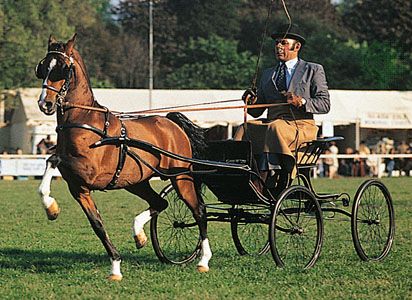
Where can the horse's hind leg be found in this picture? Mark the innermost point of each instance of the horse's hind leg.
(49, 203)
(156, 205)
(83, 197)
(185, 186)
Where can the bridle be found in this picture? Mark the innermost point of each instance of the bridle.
(61, 94)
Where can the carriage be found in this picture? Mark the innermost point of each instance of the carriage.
(290, 225)
(98, 149)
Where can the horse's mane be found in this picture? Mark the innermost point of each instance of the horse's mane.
(80, 62)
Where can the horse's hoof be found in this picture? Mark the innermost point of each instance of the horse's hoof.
(140, 239)
(53, 211)
(114, 277)
(202, 269)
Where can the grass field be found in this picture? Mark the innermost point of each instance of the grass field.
(63, 259)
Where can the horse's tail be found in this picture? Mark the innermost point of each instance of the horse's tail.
(196, 134)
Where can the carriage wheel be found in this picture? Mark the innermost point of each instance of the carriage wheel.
(174, 232)
(296, 229)
(373, 221)
(249, 229)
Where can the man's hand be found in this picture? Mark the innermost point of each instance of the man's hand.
(296, 101)
(249, 96)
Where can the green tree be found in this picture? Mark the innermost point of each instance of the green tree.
(25, 29)
(380, 20)
(133, 19)
(175, 22)
(388, 24)
(382, 67)
(202, 18)
(212, 63)
(253, 15)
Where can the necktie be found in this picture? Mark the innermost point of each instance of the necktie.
(281, 78)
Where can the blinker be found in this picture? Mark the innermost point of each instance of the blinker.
(56, 74)
(39, 71)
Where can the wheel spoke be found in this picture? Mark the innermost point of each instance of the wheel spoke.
(249, 234)
(296, 229)
(174, 242)
(372, 221)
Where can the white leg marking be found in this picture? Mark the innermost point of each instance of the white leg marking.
(206, 256)
(44, 188)
(115, 267)
(139, 222)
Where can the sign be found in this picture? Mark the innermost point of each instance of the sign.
(24, 167)
(387, 120)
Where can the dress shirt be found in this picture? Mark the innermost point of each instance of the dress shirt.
(290, 68)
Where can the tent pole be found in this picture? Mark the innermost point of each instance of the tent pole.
(357, 134)
(150, 53)
(229, 130)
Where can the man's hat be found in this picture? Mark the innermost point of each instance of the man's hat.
(292, 33)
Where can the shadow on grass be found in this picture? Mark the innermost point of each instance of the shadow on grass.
(39, 261)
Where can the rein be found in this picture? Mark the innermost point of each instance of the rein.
(172, 109)
(67, 106)
(209, 108)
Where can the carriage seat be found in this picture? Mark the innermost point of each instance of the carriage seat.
(308, 153)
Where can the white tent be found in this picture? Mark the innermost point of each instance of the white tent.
(370, 109)
(366, 109)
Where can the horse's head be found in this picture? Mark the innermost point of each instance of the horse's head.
(56, 71)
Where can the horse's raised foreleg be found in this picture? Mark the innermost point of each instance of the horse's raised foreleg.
(49, 203)
(83, 197)
(156, 203)
(185, 187)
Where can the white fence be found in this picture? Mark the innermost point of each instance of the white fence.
(34, 165)
(24, 165)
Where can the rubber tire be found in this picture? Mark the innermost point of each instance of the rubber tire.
(380, 192)
(306, 210)
(167, 238)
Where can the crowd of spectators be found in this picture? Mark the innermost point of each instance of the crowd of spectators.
(17, 151)
(45, 146)
(333, 167)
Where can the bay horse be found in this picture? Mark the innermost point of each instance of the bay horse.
(81, 122)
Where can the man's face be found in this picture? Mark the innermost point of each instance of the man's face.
(286, 49)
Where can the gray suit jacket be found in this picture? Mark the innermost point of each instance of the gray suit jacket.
(308, 81)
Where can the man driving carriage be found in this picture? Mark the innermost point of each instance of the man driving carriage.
(291, 81)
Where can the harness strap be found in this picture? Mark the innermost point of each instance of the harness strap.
(64, 89)
(107, 123)
(154, 149)
(82, 126)
(123, 150)
(124, 142)
(162, 174)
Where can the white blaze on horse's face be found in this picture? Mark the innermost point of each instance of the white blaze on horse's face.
(46, 105)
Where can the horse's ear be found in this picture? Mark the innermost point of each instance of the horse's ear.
(70, 45)
(52, 40)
